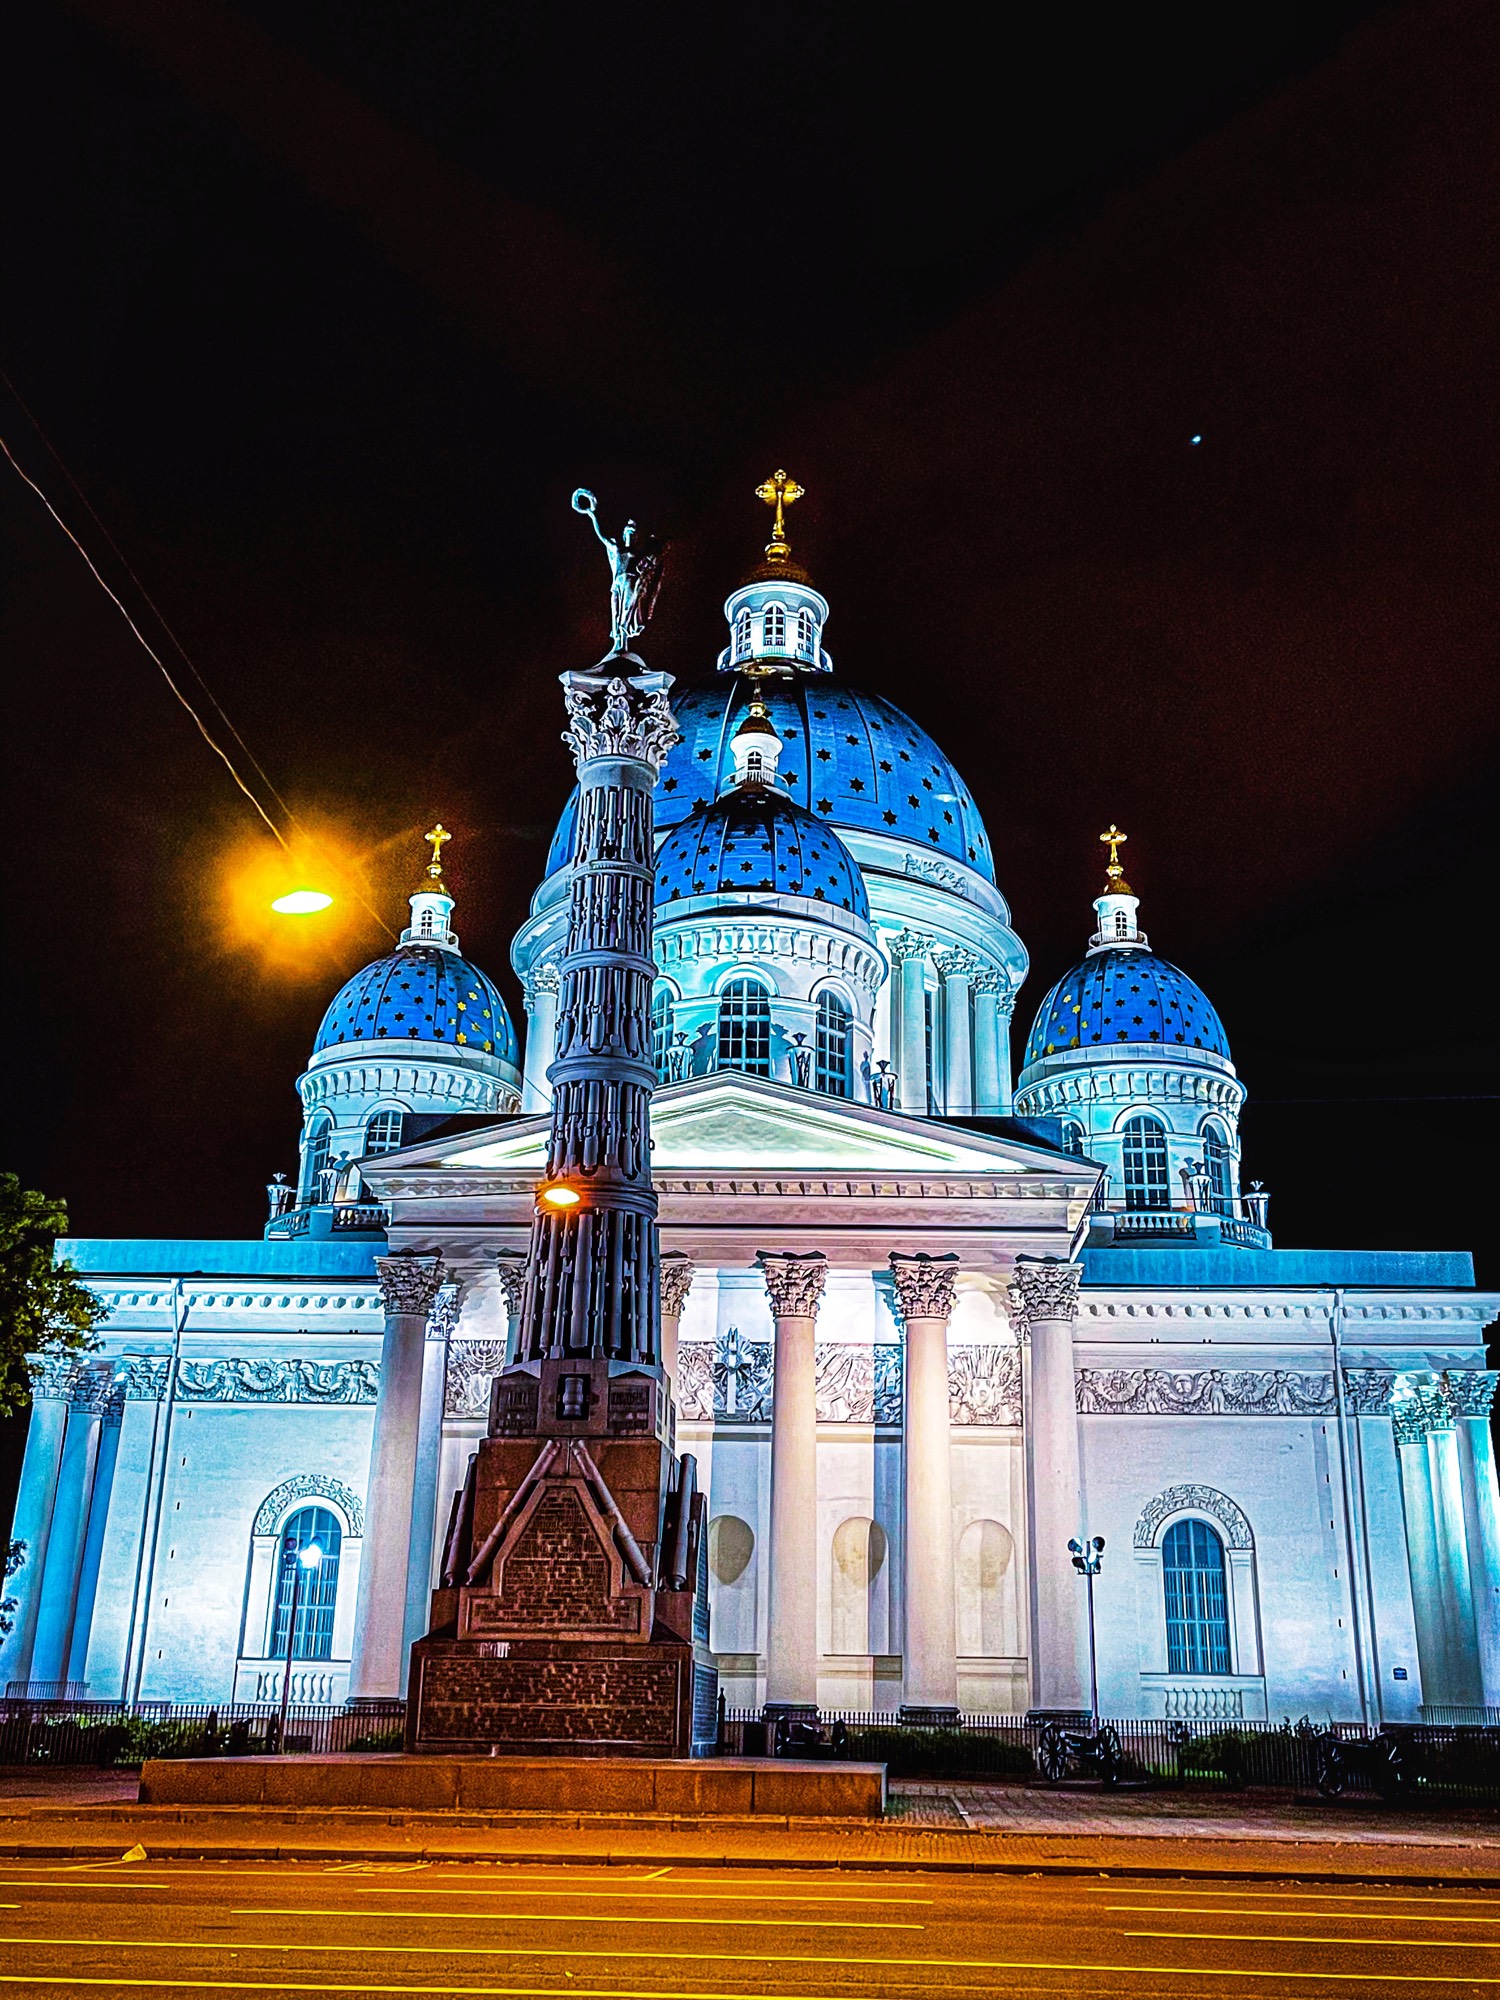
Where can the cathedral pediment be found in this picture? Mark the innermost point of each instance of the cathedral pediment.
(733, 1121)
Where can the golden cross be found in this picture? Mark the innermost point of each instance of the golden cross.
(1113, 840)
(438, 836)
(779, 492)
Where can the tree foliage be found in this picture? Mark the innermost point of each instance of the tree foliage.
(45, 1308)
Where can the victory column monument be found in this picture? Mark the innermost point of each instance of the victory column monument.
(572, 1611)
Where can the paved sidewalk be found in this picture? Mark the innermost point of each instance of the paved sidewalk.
(1005, 1829)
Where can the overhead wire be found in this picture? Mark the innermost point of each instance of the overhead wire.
(151, 652)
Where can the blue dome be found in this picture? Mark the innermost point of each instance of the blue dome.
(851, 759)
(759, 841)
(1124, 996)
(420, 993)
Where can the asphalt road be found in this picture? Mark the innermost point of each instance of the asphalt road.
(698, 1934)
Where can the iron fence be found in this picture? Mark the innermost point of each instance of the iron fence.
(110, 1733)
(1418, 1763)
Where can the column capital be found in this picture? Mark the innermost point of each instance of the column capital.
(923, 1284)
(1407, 1422)
(908, 944)
(542, 979)
(609, 716)
(1473, 1390)
(510, 1265)
(52, 1377)
(1048, 1288)
(677, 1272)
(794, 1281)
(409, 1281)
(957, 964)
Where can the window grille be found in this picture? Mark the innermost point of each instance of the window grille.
(1192, 1567)
(313, 1638)
(661, 1030)
(1146, 1165)
(745, 1028)
(774, 629)
(1073, 1140)
(806, 635)
(1216, 1163)
(383, 1133)
(742, 635)
(832, 1073)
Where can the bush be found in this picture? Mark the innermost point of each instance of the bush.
(940, 1753)
(381, 1739)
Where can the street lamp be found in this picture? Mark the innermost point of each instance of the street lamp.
(1087, 1561)
(302, 1562)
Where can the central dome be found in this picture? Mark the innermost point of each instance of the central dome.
(758, 842)
(851, 760)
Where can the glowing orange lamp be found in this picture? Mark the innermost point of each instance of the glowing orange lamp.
(559, 1195)
(302, 903)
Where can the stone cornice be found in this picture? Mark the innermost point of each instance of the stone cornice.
(460, 1184)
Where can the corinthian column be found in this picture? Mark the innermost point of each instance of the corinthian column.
(88, 1398)
(1410, 1429)
(958, 969)
(993, 1002)
(1455, 1587)
(909, 1019)
(924, 1299)
(676, 1283)
(409, 1282)
(1474, 1393)
(541, 1037)
(796, 1288)
(51, 1384)
(1048, 1293)
(510, 1265)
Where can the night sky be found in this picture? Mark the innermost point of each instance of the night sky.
(328, 307)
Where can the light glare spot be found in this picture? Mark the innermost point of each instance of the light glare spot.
(302, 903)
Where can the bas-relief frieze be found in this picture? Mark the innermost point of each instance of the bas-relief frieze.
(731, 1382)
(1204, 1392)
(235, 1381)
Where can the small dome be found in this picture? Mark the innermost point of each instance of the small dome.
(420, 993)
(758, 842)
(1124, 996)
(852, 760)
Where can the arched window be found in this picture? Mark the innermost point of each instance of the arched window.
(857, 1621)
(319, 1146)
(313, 1638)
(742, 635)
(1122, 924)
(424, 924)
(383, 1133)
(806, 635)
(1216, 1164)
(773, 632)
(745, 1028)
(833, 1072)
(661, 1030)
(1073, 1139)
(1146, 1164)
(1192, 1567)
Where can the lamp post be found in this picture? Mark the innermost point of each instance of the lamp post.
(1087, 1561)
(301, 1560)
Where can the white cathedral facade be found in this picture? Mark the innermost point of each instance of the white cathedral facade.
(927, 1318)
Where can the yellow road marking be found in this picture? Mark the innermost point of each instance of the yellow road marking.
(450, 1992)
(1298, 1895)
(449, 1887)
(1329, 1916)
(1264, 1937)
(576, 1917)
(656, 1874)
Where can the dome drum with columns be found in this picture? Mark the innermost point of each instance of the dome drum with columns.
(419, 1032)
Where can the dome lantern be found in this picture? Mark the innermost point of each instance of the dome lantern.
(1116, 908)
(431, 905)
